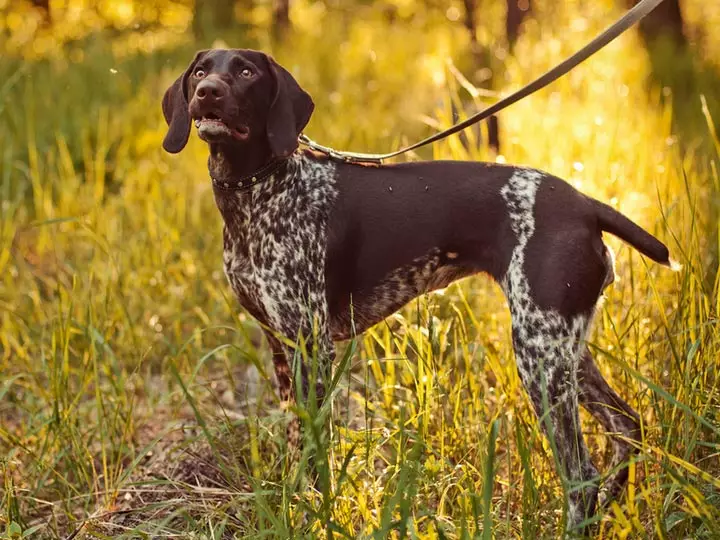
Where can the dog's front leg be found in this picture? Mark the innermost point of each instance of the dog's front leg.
(303, 368)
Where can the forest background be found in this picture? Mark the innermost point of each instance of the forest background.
(135, 395)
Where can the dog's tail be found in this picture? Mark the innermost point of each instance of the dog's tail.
(612, 221)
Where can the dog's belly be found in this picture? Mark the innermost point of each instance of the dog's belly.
(354, 312)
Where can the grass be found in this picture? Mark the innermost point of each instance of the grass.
(136, 398)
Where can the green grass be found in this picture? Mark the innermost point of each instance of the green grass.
(136, 396)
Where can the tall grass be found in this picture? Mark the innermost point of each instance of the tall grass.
(136, 398)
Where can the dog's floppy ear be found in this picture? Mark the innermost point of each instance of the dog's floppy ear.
(289, 113)
(175, 110)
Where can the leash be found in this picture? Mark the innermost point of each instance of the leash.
(634, 15)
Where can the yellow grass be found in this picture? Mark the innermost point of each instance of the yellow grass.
(135, 392)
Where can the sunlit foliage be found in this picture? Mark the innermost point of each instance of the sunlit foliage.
(135, 395)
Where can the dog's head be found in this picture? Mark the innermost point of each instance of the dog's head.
(234, 97)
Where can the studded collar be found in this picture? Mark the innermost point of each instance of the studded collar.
(247, 182)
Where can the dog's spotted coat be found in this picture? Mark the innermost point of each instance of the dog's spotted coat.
(317, 250)
(547, 349)
(275, 242)
(550, 354)
(427, 273)
(274, 251)
(274, 245)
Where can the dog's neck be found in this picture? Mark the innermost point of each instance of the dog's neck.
(237, 173)
(232, 162)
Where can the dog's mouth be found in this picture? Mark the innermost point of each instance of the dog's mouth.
(211, 127)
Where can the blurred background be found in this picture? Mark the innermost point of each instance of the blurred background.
(133, 390)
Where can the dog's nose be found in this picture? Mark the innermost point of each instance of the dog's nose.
(210, 89)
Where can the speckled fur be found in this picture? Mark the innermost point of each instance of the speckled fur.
(547, 350)
(274, 243)
(424, 274)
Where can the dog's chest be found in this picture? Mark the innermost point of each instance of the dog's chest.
(275, 244)
(262, 262)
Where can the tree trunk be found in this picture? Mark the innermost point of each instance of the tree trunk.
(281, 18)
(212, 15)
(664, 20)
(44, 7)
(470, 22)
(517, 10)
(481, 58)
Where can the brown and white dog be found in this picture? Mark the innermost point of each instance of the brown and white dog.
(319, 248)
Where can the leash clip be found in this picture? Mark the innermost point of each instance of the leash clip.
(345, 157)
(307, 141)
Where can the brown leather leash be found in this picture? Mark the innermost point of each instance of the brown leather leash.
(634, 15)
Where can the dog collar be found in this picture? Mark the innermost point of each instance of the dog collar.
(247, 182)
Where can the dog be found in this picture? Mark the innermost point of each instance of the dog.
(318, 249)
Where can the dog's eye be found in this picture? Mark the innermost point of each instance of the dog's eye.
(199, 73)
(246, 73)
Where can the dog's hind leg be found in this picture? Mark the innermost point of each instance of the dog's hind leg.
(547, 349)
(616, 416)
(550, 319)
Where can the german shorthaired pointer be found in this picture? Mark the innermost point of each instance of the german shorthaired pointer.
(318, 250)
